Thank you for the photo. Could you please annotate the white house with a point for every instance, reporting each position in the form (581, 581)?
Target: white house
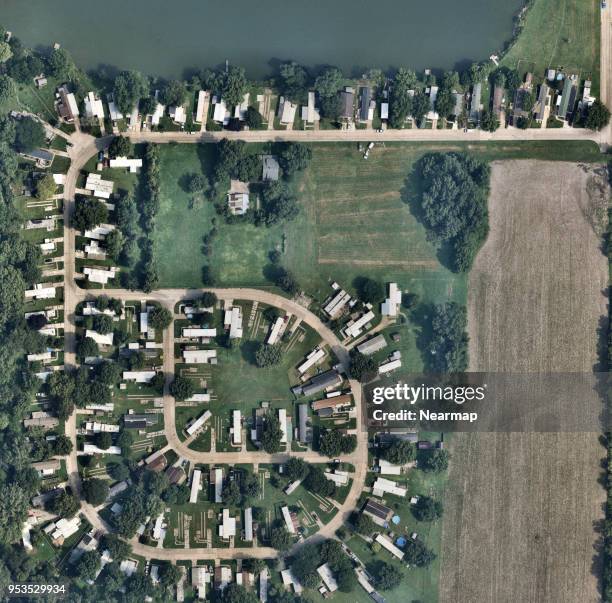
(390, 306)
(93, 106)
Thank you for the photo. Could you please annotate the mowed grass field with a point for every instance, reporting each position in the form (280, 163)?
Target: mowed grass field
(523, 509)
(560, 34)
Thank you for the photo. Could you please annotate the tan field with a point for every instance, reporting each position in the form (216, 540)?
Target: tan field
(522, 510)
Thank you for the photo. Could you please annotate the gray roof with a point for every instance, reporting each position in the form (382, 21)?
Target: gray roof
(347, 101)
(364, 106)
(320, 382)
(542, 101)
(271, 169)
(372, 345)
(303, 419)
(41, 154)
(475, 104)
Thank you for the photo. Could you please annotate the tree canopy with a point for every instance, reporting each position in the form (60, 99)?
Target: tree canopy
(182, 388)
(399, 452)
(294, 157)
(120, 146)
(334, 443)
(448, 346)
(454, 203)
(400, 102)
(268, 355)
(130, 86)
(45, 187)
(387, 576)
(95, 490)
(293, 82)
(173, 92)
(427, 509)
(29, 134)
(89, 213)
(362, 367)
(598, 116)
(416, 553)
(316, 482)
(160, 317)
(271, 434)
(434, 461)
(280, 539)
(296, 468)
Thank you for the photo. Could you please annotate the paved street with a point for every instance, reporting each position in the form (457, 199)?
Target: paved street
(82, 147)
(407, 135)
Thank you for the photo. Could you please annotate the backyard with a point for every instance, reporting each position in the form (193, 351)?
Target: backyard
(560, 34)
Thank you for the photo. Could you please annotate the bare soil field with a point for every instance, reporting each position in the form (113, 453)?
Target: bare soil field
(523, 510)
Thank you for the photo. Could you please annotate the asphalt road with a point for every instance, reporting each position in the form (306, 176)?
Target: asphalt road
(82, 147)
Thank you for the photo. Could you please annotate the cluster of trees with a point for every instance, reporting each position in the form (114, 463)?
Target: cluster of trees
(128, 90)
(182, 388)
(368, 290)
(362, 367)
(278, 204)
(427, 509)
(399, 452)
(19, 267)
(66, 504)
(22, 64)
(231, 84)
(305, 563)
(234, 161)
(386, 576)
(364, 524)
(271, 434)
(454, 204)
(43, 449)
(598, 116)
(149, 209)
(120, 146)
(417, 553)
(285, 280)
(294, 157)
(29, 134)
(242, 491)
(327, 85)
(434, 461)
(142, 500)
(89, 213)
(123, 247)
(315, 481)
(405, 99)
(268, 355)
(448, 346)
(84, 385)
(334, 443)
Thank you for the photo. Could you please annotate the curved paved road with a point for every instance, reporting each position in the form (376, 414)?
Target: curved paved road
(82, 148)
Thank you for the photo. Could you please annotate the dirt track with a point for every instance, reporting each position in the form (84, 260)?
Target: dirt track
(522, 509)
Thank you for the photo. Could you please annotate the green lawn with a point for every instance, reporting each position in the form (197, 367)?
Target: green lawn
(560, 34)
(355, 220)
(236, 383)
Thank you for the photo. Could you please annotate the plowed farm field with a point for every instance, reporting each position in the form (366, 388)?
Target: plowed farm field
(523, 509)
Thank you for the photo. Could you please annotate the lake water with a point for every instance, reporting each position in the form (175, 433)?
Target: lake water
(165, 37)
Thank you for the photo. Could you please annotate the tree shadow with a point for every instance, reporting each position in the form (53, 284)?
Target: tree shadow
(411, 194)
(421, 318)
(247, 351)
